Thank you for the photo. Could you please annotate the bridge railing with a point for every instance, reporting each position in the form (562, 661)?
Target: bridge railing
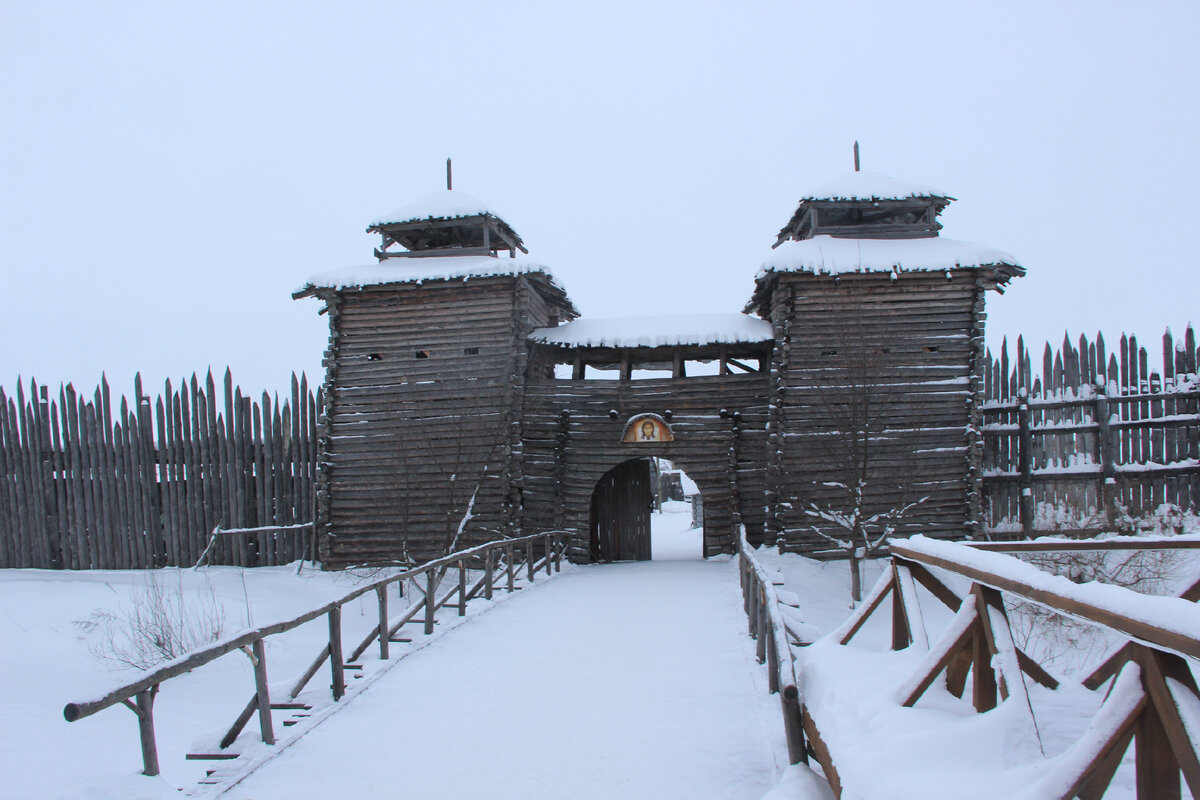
(500, 564)
(1154, 691)
(769, 629)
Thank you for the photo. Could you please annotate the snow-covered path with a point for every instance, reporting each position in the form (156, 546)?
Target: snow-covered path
(628, 680)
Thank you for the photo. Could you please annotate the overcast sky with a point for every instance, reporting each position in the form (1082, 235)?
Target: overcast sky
(171, 172)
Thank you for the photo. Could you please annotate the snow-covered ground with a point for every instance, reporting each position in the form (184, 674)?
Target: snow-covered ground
(641, 674)
(672, 537)
(632, 680)
(46, 662)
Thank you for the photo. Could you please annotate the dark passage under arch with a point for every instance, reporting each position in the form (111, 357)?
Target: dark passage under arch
(620, 513)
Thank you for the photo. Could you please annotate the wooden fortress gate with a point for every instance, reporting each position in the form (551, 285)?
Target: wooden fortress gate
(463, 402)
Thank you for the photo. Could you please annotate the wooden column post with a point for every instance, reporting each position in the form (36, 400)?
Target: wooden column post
(1025, 463)
(1104, 444)
(430, 600)
(1156, 767)
(793, 725)
(488, 565)
(264, 696)
(462, 587)
(384, 636)
(144, 709)
(901, 633)
(508, 566)
(336, 665)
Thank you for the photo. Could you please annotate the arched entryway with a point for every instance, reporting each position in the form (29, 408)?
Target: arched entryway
(632, 518)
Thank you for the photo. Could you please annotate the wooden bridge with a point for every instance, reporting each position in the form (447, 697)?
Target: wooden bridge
(629, 679)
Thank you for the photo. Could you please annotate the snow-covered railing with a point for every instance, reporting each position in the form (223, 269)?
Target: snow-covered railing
(499, 562)
(1154, 702)
(768, 628)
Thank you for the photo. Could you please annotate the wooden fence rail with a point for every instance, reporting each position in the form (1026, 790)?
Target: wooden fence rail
(498, 563)
(142, 483)
(1096, 437)
(1153, 690)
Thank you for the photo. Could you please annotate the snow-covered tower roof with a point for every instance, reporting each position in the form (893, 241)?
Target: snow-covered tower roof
(445, 223)
(866, 205)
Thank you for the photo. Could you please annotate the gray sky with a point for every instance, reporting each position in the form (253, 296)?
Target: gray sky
(170, 172)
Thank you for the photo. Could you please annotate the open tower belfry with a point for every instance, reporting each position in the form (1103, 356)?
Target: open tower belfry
(464, 401)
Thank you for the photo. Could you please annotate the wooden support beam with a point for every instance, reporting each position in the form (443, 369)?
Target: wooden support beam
(383, 634)
(144, 708)
(336, 665)
(262, 694)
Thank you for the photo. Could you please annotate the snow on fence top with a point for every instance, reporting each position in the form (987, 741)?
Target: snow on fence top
(871, 186)
(417, 270)
(443, 204)
(657, 331)
(827, 255)
(1171, 614)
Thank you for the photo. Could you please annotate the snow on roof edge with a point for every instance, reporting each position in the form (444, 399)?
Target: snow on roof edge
(657, 331)
(828, 255)
(419, 270)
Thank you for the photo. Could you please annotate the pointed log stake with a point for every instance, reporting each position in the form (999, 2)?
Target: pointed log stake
(449, 176)
(857, 168)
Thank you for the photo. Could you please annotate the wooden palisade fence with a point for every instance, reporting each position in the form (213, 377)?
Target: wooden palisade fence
(475, 572)
(1148, 705)
(89, 484)
(1095, 437)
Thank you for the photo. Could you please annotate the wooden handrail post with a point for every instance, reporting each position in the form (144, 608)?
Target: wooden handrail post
(529, 560)
(337, 667)
(793, 726)
(1025, 463)
(508, 566)
(431, 582)
(558, 554)
(384, 636)
(145, 714)
(901, 633)
(488, 565)
(462, 587)
(548, 553)
(262, 691)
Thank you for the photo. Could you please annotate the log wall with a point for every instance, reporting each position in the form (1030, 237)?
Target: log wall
(898, 356)
(571, 440)
(420, 435)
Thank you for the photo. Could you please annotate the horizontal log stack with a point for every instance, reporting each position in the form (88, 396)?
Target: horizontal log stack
(419, 435)
(876, 380)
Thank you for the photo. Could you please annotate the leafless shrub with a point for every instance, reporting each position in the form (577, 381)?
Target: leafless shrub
(159, 624)
(1065, 643)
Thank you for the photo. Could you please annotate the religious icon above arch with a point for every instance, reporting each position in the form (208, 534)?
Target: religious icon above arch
(646, 428)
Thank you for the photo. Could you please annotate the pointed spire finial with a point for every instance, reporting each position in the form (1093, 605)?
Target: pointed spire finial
(449, 176)
(856, 164)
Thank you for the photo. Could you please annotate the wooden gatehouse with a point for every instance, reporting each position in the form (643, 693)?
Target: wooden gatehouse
(464, 400)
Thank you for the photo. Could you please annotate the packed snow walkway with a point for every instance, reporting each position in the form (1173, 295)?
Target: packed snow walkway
(623, 680)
